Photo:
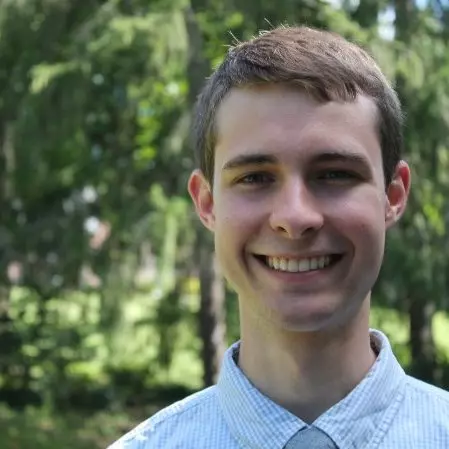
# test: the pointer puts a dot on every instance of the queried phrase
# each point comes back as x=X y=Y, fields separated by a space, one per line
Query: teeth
x=298 y=265
x=292 y=265
x=283 y=264
x=304 y=265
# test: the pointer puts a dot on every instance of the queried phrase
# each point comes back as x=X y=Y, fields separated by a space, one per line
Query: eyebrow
x=249 y=159
x=326 y=156
x=342 y=156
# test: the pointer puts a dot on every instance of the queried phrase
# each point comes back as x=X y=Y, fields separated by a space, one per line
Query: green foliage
x=95 y=101
x=38 y=429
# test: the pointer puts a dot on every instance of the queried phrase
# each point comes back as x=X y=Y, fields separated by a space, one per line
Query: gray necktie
x=311 y=438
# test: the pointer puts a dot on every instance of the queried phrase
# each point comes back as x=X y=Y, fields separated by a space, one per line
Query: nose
x=295 y=211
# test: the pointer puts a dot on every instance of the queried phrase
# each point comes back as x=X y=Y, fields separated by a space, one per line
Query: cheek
x=236 y=225
x=236 y=218
x=230 y=237
x=361 y=217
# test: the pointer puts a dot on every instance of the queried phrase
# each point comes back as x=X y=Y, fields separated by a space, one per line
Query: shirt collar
x=256 y=421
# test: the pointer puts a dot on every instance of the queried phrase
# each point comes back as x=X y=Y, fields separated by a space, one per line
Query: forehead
x=290 y=124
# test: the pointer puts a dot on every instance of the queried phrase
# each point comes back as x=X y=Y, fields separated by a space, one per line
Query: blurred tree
x=98 y=239
x=415 y=251
x=96 y=90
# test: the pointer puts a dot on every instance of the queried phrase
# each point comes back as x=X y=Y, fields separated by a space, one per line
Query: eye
x=337 y=175
x=256 y=178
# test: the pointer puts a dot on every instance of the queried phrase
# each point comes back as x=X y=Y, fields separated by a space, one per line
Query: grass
x=36 y=429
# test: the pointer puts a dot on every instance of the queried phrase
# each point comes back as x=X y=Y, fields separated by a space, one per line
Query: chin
x=310 y=321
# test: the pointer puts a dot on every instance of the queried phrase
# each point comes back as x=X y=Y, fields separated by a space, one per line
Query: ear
x=397 y=194
x=201 y=194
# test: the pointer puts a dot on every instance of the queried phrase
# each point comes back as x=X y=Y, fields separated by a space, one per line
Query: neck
x=307 y=372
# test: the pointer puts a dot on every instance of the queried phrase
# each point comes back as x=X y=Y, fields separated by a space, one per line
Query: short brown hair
x=326 y=65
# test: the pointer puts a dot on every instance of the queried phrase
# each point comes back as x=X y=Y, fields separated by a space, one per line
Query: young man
x=298 y=135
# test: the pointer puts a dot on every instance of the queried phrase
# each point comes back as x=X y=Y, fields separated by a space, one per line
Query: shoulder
x=427 y=392
x=428 y=403
x=183 y=419
x=422 y=419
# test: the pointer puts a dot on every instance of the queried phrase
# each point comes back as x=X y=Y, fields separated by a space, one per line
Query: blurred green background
x=111 y=305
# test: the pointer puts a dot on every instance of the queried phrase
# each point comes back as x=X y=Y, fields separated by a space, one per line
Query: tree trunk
x=422 y=346
x=366 y=14
x=421 y=307
x=212 y=314
x=7 y=336
x=404 y=18
x=8 y=345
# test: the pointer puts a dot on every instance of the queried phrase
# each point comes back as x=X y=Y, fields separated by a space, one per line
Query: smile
x=299 y=265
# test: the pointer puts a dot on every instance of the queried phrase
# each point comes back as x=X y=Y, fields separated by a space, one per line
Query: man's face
x=299 y=208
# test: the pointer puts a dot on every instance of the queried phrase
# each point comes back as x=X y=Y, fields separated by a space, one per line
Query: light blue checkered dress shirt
x=387 y=410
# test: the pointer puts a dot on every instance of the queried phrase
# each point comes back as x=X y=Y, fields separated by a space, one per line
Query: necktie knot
x=311 y=438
